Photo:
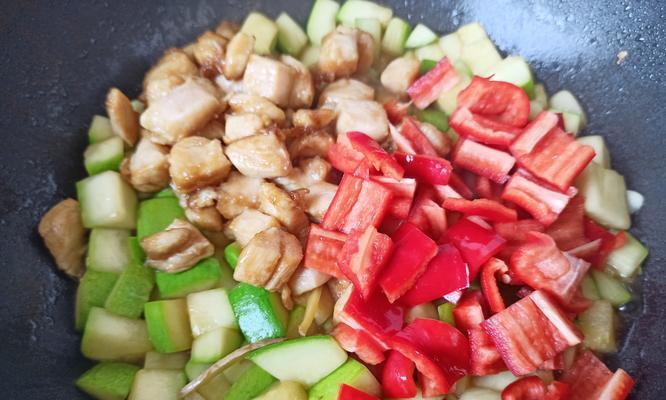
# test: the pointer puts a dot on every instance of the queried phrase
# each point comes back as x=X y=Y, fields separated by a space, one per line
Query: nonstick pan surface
x=58 y=59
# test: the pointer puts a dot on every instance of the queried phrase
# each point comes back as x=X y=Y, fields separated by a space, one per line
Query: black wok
x=58 y=59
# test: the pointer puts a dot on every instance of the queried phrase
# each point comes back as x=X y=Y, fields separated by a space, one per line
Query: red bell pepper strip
x=482 y=129
x=426 y=169
x=377 y=156
x=413 y=251
x=491 y=271
x=534 y=133
x=398 y=376
x=502 y=102
x=363 y=256
x=395 y=110
x=531 y=331
x=555 y=363
x=484 y=208
x=401 y=143
x=390 y=224
x=343 y=201
x=445 y=273
x=432 y=378
x=373 y=315
x=609 y=242
x=517 y=231
x=557 y=391
x=410 y=130
x=364 y=169
x=470 y=311
x=403 y=194
x=541 y=202
x=343 y=157
x=475 y=242
x=359 y=342
x=541 y=265
x=457 y=183
x=586 y=251
x=533 y=388
x=483 y=355
x=487 y=189
x=430 y=86
x=589 y=379
x=483 y=160
x=351 y=393
x=323 y=250
x=568 y=230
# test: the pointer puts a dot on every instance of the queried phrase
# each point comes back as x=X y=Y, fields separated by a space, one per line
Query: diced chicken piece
x=213 y=130
x=306 y=279
x=207 y=218
x=239 y=126
x=285 y=296
x=313 y=119
x=269 y=259
x=238 y=193
x=64 y=236
x=159 y=88
x=339 y=52
x=227 y=29
x=366 y=52
x=181 y=113
x=196 y=162
x=239 y=51
x=124 y=121
x=400 y=74
x=202 y=198
x=365 y=116
x=229 y=86
x=311 y=144
x=270 y=79
x=248 y=223
x=439 y=140
x=177 y=248
x=243 y=103
x=209 y=53
x=261 y=156
x=318 y=199
x=302 y=92
x=345 y=89
x=174 y=63
x=149 y=167
x=310 y=171
x=279 y=204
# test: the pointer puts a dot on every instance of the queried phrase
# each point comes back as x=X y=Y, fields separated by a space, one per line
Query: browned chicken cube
x=260 y=156
x=313 y=119
x=196 y=162
x=239 y=51
x=206 y=218
x=149 y=167
x=64 y=236
x=124 y=121
x=270 y=79
x=239 y=126
x=367 y=49
x=279 y=204
x=311 y=144
x=365 y=116
x=339 y=55
x=302 y=92
x=248 y=223
x=243 y=103
x=209 y=53
x=345 y=89
x=237 y=193
x=399 y=74
x=174 y=63
x=177 y=248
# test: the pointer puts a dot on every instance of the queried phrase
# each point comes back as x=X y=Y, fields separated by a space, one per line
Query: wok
x=59 y=59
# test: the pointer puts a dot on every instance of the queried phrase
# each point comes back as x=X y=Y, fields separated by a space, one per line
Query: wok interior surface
x=59 y=61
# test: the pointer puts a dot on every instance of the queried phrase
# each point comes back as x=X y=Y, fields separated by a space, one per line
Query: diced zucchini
x=251 y=383
x=598 y=326
x=611 y=289
x=435 y=117
x=462 y=69
x=635 y=201
x=114 y=338
x=166 y=192
x=168 y=325
x=104 y=156
x=564 y=100
x=310 y=56
x=374 y=28
x=264 y=30
x=285 y=390
x=496 y=382
x=627 y=259
x=155 y=360
x=231 y=254
x=322 y=20
x=426 y=65
x=100 y=129
x=107 y=201
x=291 y=37
x=209 y=310
x=138 y=106
x=108 y=380
x=152 y=384
x=203 y=276
x=602 y=156
x=215 y=388
x=540 y=101
x=351 y=373
x=480 y=56
x=194 y=369
x=395 y=37
x=514 y=69
x=480 y=394
x=420 y=36
x=445 y=312
x=156 y=214
x=605 y=196
x=471 y=33
x=589 y=288
x=93 y=290
x=260 y=314
x=448 y=101
x=108 y=250
x=295 y=318
x=429 y=52
x=212 y=346
x=451 y=46
x=352 y=10
x=226 y=281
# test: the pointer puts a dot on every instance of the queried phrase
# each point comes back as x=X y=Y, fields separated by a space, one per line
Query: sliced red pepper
x=373 y=315
x=427 y=215
x=484 y=208
x=390 y=224
x=589 y=379
x=401 y=143
x=342 y=203
x=586 y=251
x=430 y=86
x=445 y=273
x=541 y=265
x=457 y=183
x=533 y=388
x=364 y=169
x=557 y=391
x=363 y=256
x=470 y=311
x=398 y=376
x=483 y=160
x=475 y=242
x=343 y=157
x=432 y=378
x=500 y=101
x=377 y=156
x=413 y=251
x=410 y=130
x=609 y=242
x=555 y=363
x=359 y=342
x=529 y=332
x=517 y=231
x=551 y=154
x=482 y=129
x=542 y=203
x=568 y=230
x=403 y=194
x=323 y=249
x=426 y=169
x=351 y=393
x=485 y=188
x=395 y=110
x=484 y=357
x=490 y=273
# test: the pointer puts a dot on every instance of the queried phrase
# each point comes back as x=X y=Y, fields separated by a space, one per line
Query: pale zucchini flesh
x=611 y=289
x=627 y=259
x=107 y=201
x=321 y=20
x=451 y=46
x=605 y=196
x=514 y=69
x=352 y=10
x=421 y=36
x=100 y=129
x=104 y=156
x=598 y=326
x=108 y=250
x=480 y=56
x=264 y=30
x=429 y=52
x=395 y=36
x=291 y=37
x=602 y=156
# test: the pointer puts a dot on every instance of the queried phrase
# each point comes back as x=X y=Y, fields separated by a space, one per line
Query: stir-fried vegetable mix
x=357 y=210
